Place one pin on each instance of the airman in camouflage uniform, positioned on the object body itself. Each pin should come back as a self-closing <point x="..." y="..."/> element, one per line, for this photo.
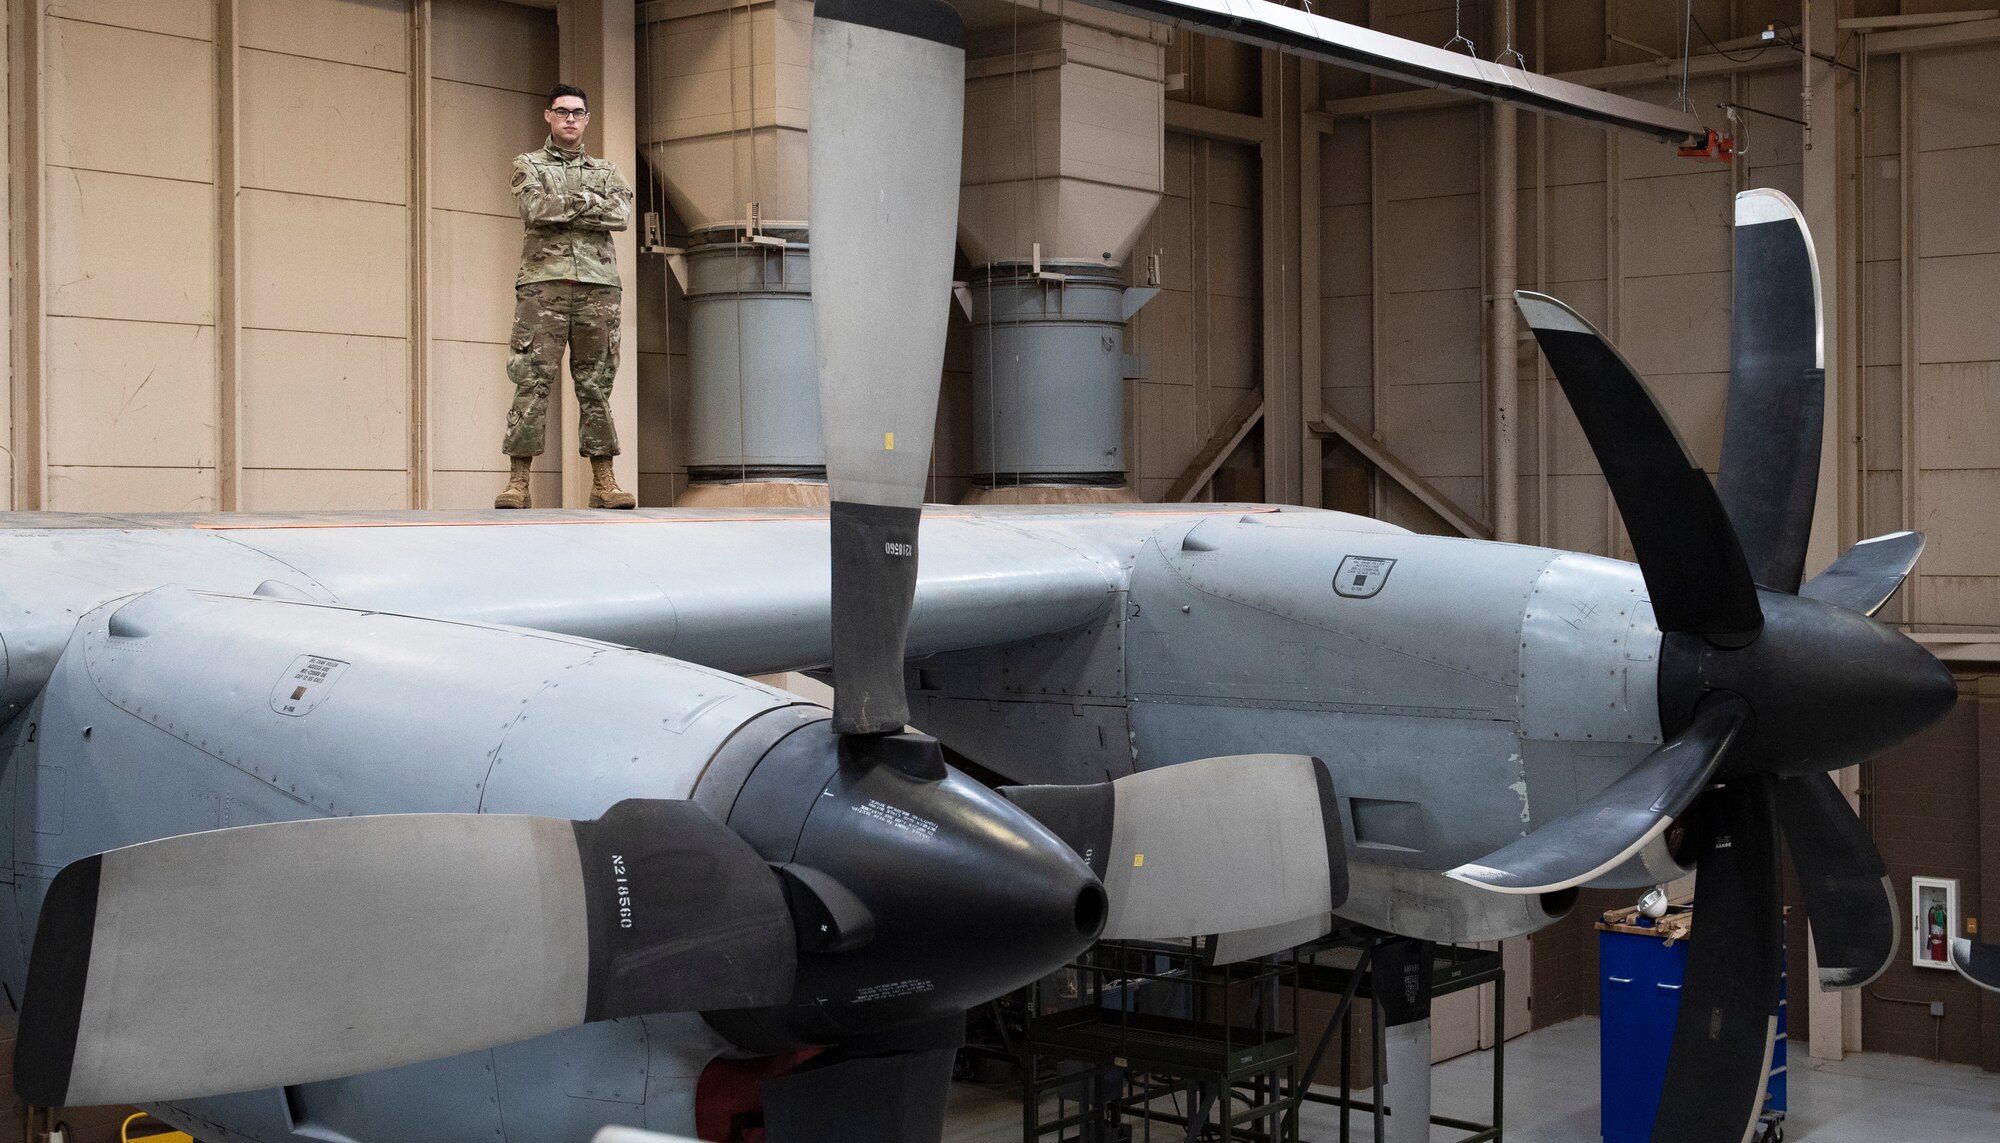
<point x="566" y="296"/>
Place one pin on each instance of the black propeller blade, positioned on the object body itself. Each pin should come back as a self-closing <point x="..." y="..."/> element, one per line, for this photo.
<point x="1844" y="881"/>
<point x="1619" y="821"/>
<point x="1866" y="576"/>
<point x="1694" y="568"/>
<point x="1821" y="685"/>
<point x="1728" y="1023"/>
<point x="1777" y="392"/>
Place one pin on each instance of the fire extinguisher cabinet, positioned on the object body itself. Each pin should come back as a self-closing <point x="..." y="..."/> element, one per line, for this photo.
<point x="1639" y="998"/>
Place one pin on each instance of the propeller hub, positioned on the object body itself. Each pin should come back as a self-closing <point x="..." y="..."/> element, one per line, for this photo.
<point x="1827" y="687"/>
<point x="966" y="896"/>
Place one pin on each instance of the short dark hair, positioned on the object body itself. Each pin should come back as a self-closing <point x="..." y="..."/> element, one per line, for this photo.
<point x="562" y="89"/>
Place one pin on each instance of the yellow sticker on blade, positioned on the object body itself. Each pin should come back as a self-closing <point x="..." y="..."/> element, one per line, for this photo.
<point x="889" y="442"/>
<point x="1138" y="859"/>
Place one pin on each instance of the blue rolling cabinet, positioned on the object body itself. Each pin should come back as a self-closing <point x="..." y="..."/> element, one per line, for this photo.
<point x="1639" y="998"/>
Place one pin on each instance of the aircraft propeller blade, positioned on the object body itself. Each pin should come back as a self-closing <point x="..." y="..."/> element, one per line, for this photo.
<point x="290" y="952"/>
<point x="1604" y="832"/>
<point x="1867" y="575"/>
<point x="1728" y="1022"/>
<point x="1846" y="886"/>
<point x="1977" y="962"/>
<point x="1777" y="389"/>
<point x="888" y="96"/>
<point x="1687" y="550"/>
<point x="1218" y="845"/>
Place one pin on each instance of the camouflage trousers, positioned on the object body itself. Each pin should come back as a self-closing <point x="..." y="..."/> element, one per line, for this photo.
<point x="548" y="318"/>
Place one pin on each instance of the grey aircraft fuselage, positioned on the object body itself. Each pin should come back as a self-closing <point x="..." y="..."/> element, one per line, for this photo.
<point x="1462" y="692"/>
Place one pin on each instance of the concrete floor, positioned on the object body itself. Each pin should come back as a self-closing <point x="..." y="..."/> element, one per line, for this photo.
<point x="1552" y="1098"/>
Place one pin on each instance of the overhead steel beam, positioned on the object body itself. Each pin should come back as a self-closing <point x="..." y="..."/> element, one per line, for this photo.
<point x="1269" y="25"/>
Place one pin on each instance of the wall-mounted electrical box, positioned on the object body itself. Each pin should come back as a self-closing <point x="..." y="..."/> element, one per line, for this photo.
<point x="1933" y="920"/>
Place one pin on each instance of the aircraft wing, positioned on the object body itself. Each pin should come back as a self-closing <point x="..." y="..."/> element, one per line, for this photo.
<point x="740" y="592"/>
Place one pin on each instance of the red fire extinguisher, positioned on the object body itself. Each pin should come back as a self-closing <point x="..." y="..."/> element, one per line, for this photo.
<point x="1935" y="948"/>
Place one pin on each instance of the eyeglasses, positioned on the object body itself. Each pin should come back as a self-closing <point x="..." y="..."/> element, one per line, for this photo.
<point x="570" y="113"/>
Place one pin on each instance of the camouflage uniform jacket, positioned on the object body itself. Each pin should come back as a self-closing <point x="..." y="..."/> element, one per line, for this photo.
<point x="570" y="204"/>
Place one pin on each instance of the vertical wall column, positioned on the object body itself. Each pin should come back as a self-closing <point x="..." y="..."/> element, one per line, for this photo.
<point x="228" y="265"/>
<point x="420" y="254"/>
<point x="1831" y="150"/>
<point x="1502" y="351"/>
<point x="26" y="243"/>
<point x="1284" y="415"/>
<point x="599" y="54"/>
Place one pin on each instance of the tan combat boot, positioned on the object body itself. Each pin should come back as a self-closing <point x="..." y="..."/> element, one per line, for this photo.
<point x="604" y="490"/>
<point x="515" y="495"/>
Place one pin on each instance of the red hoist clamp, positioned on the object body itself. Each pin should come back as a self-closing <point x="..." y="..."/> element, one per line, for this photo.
<point x="1721" y="148"/>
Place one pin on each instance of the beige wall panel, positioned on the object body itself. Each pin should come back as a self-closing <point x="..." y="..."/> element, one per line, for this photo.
<point x="470" y="394"/>
<point x="1956" y="603"/>
<point x="321" y="400"/>
<point x="649" y="329"/>
<point x="136" y="102"/>
<point x="1343" y="164"/>
<point x="1575" y="150"/>
<point x="475" y="134"/>
<point x="1882" y="212"/>
<point x="1957" y="102"/>
<point x="1234" y="240"/>
<point x="1789" y="178"/>
<point x="1885" y="503"/>
<point x="1882" y="320"/>
<point x="78" y="489"/>
<point x="1344" y="235"/>
<point x="324" y="265"/>
<point x="1232" y="175"/>
<point x="1676" y="323"/>
<point x="1576" y="231"/>
<point x="1426" y="154"/>
<point x="371" y="33"/>
<point x="1354" y="402"/>
<point x="130" y="393"/>
<point x="122" y="246"/>
<point x="1234" y="330"/>
<point x="1346" y="341"/>
<point x="494" y="44"/>
<point x="6" y="280"/>
<point x="1958" y="416"/>
<point x="1955" y="512"/>
<point x="1678" y="225"/>
<point x="1162" y="335"/>
<point x="1882" y="417"/>
<point x="1957" y="319"/>
<point x="1694" y="403"/>
<point x="1577" y="514"/>
<point x="655" y="432"/>
<point x="191" y="18"/>
<point x="1169" y="433"/>
<point x="1771" y="142"/>
<point x="323" y="489"/>
<point x="1960" y="201"/>
<point x="1430" y="338"/>
<point x="474" y="258"/>
<point x="1430" y="243"/>
<point x="1436" y="429"/>
<point x="321" y="128"/>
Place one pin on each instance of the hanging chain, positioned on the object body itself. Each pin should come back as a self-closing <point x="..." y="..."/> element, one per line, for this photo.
<point x="1520" y="60"/>
<point x="1682" y="101"/>
<point x="1458" y="30"/>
